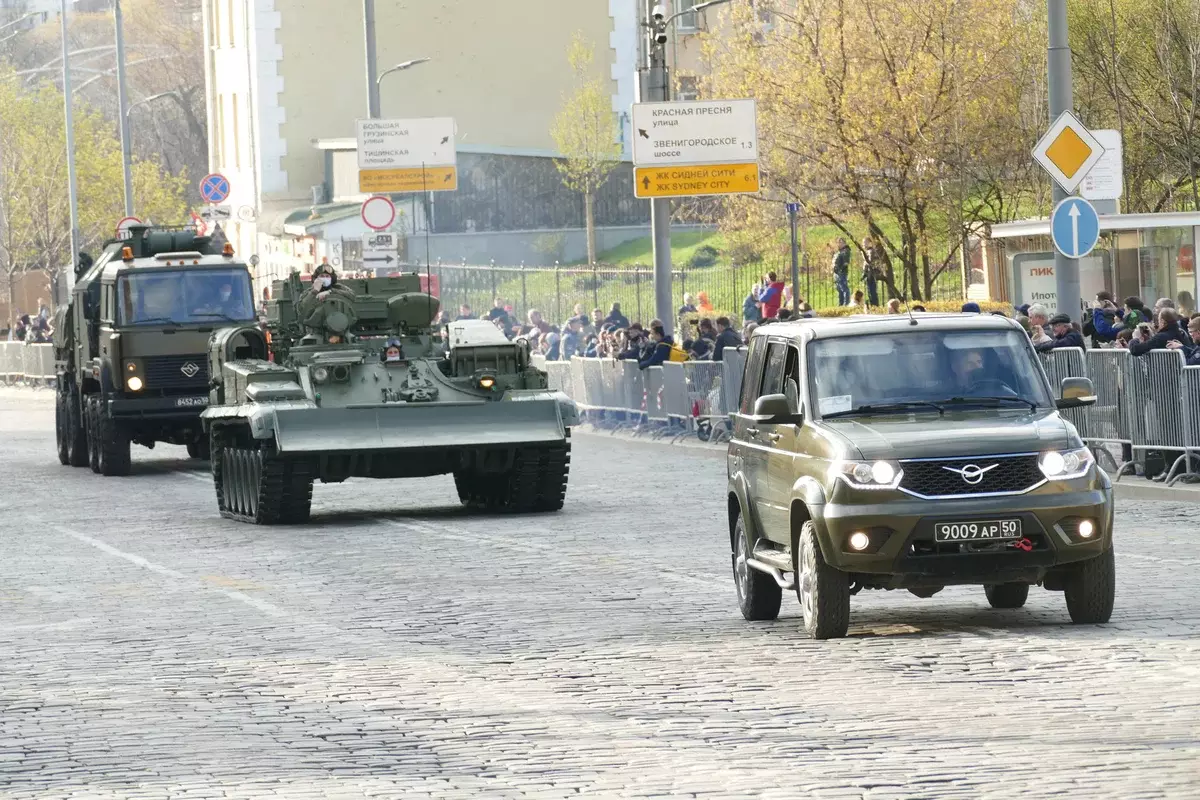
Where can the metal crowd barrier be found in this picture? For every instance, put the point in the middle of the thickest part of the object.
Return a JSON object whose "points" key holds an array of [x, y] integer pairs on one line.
{"points": [[27, 363]]}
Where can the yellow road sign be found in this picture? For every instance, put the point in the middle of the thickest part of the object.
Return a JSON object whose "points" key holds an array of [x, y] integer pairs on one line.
{"points": [[1068, 151], [696, 181], [430, 179]]}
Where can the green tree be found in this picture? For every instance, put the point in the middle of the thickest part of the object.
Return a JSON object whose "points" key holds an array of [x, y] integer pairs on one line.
{"points": [[585, 132]]}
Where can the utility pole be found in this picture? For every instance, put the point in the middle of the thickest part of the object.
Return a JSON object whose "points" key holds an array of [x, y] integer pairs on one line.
{"points": [[372, 62], [123, 109], [1066, 270], [655, 87], [76, 238], [793, 210]]}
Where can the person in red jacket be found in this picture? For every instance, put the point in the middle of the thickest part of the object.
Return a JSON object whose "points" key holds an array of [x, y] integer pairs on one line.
{"points": [[772, 297]]}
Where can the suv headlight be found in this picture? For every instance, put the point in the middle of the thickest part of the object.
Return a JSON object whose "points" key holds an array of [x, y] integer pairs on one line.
{"points": [[868, 474], [1062, 465]]}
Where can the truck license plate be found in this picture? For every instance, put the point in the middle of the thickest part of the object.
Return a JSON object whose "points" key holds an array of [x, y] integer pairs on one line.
{"points": [[190, 402], [977, 531]]}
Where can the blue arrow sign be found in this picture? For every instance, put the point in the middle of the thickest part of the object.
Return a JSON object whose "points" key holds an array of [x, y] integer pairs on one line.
{"points": [[214, 188], [1075, 227]]}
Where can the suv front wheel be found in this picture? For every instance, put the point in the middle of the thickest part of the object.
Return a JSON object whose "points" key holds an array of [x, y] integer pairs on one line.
{"points": [[1090, 589], [824, 592], [758, 594]]}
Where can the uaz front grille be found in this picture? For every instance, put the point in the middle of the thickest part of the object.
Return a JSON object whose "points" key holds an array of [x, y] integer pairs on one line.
{"points": [[978, 475], [174, 373]]}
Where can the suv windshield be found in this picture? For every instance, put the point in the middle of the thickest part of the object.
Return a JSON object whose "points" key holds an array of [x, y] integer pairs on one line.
{"points": [[924, 371], [184, 297]]}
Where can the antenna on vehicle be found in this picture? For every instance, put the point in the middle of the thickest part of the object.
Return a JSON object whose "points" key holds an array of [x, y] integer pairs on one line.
{"points": [[911, 319]]}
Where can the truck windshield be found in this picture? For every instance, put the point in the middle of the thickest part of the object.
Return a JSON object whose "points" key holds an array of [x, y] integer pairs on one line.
{"points": [[924, 372], [184, 297]]}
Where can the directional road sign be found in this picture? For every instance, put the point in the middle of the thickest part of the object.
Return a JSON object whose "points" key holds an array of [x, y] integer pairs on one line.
{"points": [[1075, 227], [124, 225], [695, 132], [378, 213], [1068, 151], [1106, 180], [698, 181], [406, 143], [430, 179], [379, 249], [214, 188]]}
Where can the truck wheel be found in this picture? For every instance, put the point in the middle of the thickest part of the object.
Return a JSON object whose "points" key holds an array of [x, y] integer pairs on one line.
{"points": [[60, 425], [1007, 595], [255, 485], [93, 433], [114, 445], [77, 444], [1090, 589], [824, 591], [758, 594], [198, 449]]}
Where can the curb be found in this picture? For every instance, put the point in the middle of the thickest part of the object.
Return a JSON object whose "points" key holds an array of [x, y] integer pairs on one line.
{"points": [[1128, 488]]}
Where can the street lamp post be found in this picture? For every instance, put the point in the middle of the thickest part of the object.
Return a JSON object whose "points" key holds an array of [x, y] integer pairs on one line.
{"points": [[126, 136], [655, 87], [76, 237], [123, 109]]}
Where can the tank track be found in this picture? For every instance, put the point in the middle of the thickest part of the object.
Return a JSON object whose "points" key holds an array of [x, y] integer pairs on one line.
{"points": [[537, 482], [255, 485]]}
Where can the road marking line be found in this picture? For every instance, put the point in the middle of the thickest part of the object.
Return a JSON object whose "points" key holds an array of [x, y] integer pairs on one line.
{"points": [[167, 572]]}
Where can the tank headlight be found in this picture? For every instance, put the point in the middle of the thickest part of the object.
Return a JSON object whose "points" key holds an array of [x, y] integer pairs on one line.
{"points": [[487, 382], [320, 374], [134, 384]]}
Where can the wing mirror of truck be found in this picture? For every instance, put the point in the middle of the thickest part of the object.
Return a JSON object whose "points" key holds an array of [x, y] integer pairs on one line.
{"points": [[1076, 393], [776, 409]]}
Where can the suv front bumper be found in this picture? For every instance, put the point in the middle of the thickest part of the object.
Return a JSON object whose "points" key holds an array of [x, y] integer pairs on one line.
{"points": [[902, 545]]}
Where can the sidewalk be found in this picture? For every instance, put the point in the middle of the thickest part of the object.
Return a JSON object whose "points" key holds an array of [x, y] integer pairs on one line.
{"points": [[1128, 488]]}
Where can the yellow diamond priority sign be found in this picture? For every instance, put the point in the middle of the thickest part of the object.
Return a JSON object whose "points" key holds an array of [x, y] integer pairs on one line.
{"points": [[1068, 151]]}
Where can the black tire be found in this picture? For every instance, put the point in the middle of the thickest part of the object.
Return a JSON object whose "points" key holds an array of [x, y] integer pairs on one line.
{"points": [[114, 445], [1007, 595], [199, 449], [759, 596], [824, 592], [537, 482], [60, 426], [1091, 588], [93, 433], [77, 443], [254, 485]]}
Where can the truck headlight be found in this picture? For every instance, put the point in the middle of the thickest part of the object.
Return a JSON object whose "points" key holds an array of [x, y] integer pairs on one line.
{"points": [[867, 474], [134, 384], [1063, 465], [133, 376]]}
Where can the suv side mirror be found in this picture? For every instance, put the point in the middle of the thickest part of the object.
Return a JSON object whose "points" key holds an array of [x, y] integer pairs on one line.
{"points": [[1076, 392], [774, 409]]}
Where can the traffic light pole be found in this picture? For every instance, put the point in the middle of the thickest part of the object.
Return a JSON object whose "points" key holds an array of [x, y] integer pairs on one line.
{"points": [[76, 237], [123, 109], [1066, 270]]}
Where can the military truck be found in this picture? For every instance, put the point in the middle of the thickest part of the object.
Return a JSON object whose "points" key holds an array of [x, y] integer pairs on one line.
{"points": [[355, 382], [130, 346]]}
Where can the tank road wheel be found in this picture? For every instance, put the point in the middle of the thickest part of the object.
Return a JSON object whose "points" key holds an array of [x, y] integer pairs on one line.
{"points": [[824, 591], [537, 482], [255, 485], [93, 433], [113, 443], [76, 429], [60, 424]]}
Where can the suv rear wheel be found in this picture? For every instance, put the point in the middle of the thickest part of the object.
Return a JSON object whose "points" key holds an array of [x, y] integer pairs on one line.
{"points": [[824, 592], [1090, 589], [1007, 595], [758, 594]]}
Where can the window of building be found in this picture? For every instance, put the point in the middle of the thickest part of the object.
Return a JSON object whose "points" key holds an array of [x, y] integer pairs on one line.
{"points": [[689, 21], [237, 139], [215, 24], [220, 154], [229, 21], [689, 88]]}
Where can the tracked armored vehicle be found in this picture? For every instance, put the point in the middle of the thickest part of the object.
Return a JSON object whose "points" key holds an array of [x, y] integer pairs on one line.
{"points": [[354, 382], [130, 346]]}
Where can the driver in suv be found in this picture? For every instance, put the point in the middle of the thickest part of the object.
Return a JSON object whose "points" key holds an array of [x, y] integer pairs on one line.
{"points": [[892, 453]]}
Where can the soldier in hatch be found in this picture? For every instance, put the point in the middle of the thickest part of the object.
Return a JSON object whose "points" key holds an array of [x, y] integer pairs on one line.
{"points": [[321, 299]]}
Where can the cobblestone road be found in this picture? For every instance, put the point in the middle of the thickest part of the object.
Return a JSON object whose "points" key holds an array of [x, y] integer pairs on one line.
{"points": [[397, 646]]}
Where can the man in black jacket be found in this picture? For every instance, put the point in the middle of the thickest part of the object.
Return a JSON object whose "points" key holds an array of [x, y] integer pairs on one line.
{"points": [[726, 337], [1168, 331], [1065, 335]]}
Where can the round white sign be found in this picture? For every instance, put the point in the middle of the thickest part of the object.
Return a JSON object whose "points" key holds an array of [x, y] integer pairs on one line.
{"points": [[378, 213]]}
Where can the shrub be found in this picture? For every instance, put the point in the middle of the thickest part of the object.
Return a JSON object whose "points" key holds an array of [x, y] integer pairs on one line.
{"points": [[704, 256]]}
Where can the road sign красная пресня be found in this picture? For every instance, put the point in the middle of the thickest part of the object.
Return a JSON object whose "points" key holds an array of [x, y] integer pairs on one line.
{"points": [[695, 148]]}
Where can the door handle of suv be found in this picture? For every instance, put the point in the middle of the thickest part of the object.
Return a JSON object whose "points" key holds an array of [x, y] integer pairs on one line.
{"points": [[752, 432], [774, 437]]}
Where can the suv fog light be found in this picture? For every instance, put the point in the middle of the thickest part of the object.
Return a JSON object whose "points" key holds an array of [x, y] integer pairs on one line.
{"points": [[860, 541], [134, 384], [1086, 529]]}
